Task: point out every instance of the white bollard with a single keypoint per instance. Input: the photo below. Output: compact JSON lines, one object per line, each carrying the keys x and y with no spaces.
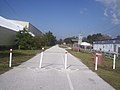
{"x":41,"y":58}
{"x":10,"y":61}
{"x":114,"y":61}
{"x":96,"y":62}
{"x":66,"y":60}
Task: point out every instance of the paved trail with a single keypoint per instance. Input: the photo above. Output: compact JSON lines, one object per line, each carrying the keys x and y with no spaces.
{"x":52,"y":76}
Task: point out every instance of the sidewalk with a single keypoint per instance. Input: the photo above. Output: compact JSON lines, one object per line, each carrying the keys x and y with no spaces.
{"x":52,"y":75}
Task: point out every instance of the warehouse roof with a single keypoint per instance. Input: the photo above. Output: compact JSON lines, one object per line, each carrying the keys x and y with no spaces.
{"x":9,"y":24}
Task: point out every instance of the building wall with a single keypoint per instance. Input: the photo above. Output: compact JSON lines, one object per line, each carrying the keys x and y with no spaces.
{"x":8,"y":29}
{"x":106,"y":47}
{"x":117,"y":47}
{"x":7,"y":36}
{"x":34,"y":30}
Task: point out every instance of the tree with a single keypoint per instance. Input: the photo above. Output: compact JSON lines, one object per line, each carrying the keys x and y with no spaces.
{"x":97,"y":37}
{"x":60,"y":41}
{"x":40,"y":41}
{"x":24,"y":40}
{"x":68,"y":40}
{"x":118,"y":37}
{"x":50,"y":38}
{"x":84,"y":39}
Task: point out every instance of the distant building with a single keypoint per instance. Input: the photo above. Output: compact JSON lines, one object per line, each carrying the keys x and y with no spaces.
{"x":75,"y":45}
{"x":8,"y":29}
{"x":110,"y":46}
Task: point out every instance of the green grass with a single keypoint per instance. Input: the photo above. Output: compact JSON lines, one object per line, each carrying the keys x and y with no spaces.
{"x":19,"y":56}
{"x":105,"y":70}
{"x":63,"y":46}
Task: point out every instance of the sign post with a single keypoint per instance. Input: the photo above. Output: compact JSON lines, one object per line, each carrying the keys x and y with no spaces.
{"x":66,"y":60}
{"x":96,"y":62}
{"x":114,"y":61}
{"x":41,"y":58}
{"x":10,"y":61}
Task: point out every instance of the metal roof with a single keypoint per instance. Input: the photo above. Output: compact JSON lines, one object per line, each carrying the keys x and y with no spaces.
{"x":9,"y":24}
{"x":110,"y":41}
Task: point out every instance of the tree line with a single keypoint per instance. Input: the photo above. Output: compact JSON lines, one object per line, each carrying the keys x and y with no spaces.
{"x":24,"y":40}
{"x":96,"y":37}
{"x":89,"y":38}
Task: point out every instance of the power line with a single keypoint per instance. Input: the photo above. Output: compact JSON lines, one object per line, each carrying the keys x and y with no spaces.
{"x":12,"y":9}
{"x":112,"y":28}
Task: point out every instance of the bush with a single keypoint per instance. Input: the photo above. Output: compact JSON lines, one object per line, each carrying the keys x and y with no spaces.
{"x":24,"y":40}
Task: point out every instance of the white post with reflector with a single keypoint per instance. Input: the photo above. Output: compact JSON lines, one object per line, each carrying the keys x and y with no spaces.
{"x":41,"y":58}
{"x":114,"y":61}
{"x":96,"y":62}
{"x":66,"y":60}
{"x":10,"y":61}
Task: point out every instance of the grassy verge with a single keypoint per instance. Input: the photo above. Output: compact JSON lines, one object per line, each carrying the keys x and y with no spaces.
{"x":19,"y":56}
{"x":63,"y":46}
{"x":105,"y":70}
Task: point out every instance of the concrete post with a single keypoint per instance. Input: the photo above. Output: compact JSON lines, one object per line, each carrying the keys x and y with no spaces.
{"x":41,"y":58}
{"x":114,"y":61}
{"x":66,"y":60}
{"x":10,"y":61}
{"x":96,"y":62}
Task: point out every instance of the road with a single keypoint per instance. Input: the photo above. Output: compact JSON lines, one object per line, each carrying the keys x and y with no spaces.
{"x":52,"y":75}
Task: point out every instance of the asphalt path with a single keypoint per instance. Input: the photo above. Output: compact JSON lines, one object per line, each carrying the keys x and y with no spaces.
{"x":52,"y":75}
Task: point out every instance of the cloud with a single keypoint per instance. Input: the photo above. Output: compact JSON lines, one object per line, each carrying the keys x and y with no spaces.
{"x":112,"y":10}
{"x":105,"y":12}
{"x":83,"y":10}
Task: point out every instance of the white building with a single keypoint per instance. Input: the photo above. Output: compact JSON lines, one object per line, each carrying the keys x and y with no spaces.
{"x":8,"y":29}
{"x":110,"y":46}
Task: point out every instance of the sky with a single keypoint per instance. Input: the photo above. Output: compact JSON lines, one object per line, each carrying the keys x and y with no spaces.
{"x":65,"y":18}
